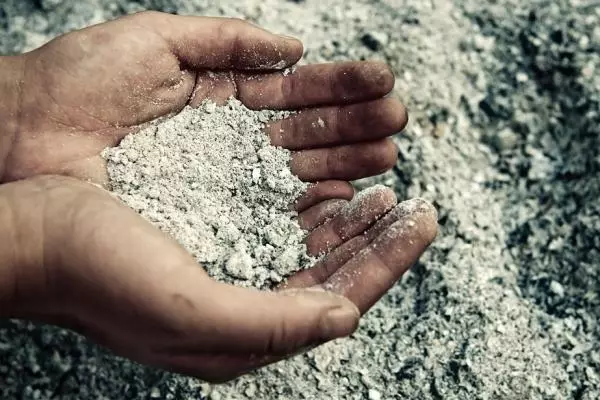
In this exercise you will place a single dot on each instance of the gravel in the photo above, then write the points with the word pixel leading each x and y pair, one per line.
pixel 504 136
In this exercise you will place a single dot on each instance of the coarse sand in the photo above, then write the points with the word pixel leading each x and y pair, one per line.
pixel 504 99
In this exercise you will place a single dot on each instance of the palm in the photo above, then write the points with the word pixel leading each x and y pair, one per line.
pixel 122 79
pixel 86 90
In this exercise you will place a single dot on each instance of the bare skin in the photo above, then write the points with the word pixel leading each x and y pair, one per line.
pixel 138 68
pixel 74 256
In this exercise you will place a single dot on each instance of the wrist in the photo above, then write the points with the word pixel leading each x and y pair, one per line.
pixel 12 69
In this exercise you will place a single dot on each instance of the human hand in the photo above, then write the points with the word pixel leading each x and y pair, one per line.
pixel 86 90
pixel 83 260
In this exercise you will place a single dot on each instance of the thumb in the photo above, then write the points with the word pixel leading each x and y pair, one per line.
pixel 222 43
pixel 250 329
pixel 268 323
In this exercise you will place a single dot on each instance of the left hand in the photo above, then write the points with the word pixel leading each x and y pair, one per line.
pixel 74 256
pixel 86 90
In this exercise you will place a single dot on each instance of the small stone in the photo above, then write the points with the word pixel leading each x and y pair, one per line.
pixel 440 130
pixel 133 155
pixel 251 390
pixel 256 175
pixel 557 289
pixel 375 40
pixel 483 43
pixel 374 395
pixel 504 140
pixel 289 71
pixel 205 389
pixel 210 107
pixel 153 193
pixel 522 77
pixel 322 360
pixel 239 265
pixel 588 71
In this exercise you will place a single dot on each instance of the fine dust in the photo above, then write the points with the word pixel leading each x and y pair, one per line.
pixel 503 138
pixel 210 178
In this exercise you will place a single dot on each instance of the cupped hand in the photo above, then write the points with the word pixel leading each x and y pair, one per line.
pixel 86 90
pixel 91 264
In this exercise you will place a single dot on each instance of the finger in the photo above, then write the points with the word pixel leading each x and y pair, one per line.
pixel 325 190
pixel 348 162
pixel 233 320
pixel 222 43
pixel 339 256
pixel 319 213
pixel 326 266
pixel 320 127
pixel 373 271
pixel 366 207
pixel 316 85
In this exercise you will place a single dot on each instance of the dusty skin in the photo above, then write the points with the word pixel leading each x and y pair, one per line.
pixel 503 139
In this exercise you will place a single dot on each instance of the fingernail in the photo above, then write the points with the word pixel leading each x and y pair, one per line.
pixel 340 321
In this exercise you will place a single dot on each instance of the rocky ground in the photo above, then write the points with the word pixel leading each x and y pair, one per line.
pixel 504 137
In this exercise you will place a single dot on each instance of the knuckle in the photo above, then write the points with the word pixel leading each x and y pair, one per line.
pixel 230 31
pixel 231 28
pixel 334 162
pixel 288 88
pixel 321 190
pixel 336 121
pixel 275 339
pixel 281 339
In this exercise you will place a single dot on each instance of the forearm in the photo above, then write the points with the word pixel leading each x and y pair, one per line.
pixel 11 81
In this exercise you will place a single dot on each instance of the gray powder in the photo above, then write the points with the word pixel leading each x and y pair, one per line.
pixel 504 99
pixel 210 178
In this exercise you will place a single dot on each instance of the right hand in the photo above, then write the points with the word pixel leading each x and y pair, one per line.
pixel 86 90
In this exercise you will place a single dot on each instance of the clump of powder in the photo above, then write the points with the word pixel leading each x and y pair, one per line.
pixel 210 178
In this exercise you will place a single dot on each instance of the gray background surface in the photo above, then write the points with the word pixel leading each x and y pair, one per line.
pixel 504 99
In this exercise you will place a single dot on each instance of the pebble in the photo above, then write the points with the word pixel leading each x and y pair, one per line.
pixel 374 395
pixel 505 139
pixel 483 43
pixel 375 40
pixel 429 78
pixel 557 289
